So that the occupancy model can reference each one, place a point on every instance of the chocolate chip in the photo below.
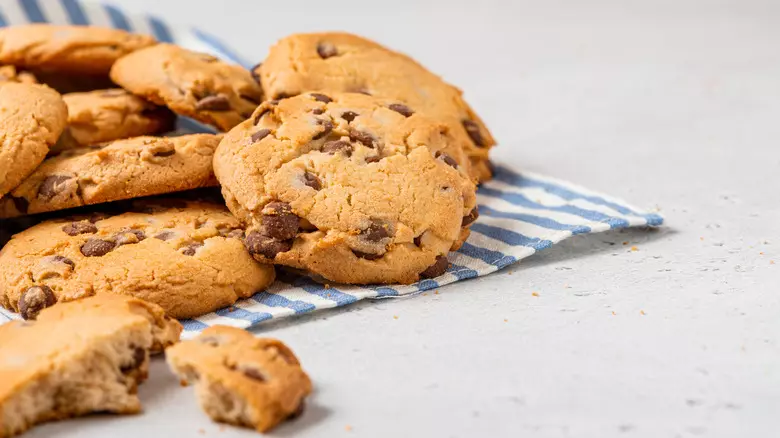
(97, 247)
(76, 228)
(253, 374)
(51, 186)
(437, 268)
(349, 116)
(250, 99)
(447, 159)
(35, 299)
(401, 109)
(326, 50)
(167, 153)
(255, 71)
(312, 181)
(190, 249)
(165, 235)
(259, 135)
(217, 102)
(129, 237)
(317, 111)
(21, 204)
(473, 130)
(373, 159)
(279, 222)
(257, 243)
(333, 147)
(470, 218)
(64, 260)
(139, 356)
(327, 126)
(375, 232)
(367, 256)
(235, 234)
(362, 137)
(319, 97)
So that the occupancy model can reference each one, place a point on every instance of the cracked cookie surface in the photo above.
(186, 256)
(71, 49)
(351, 187)
(32, 118)
(78, 358)
(123, 169)
(240, 379)
(106, 115)
(192, 84)
(344, 62)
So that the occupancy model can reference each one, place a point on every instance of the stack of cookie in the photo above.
(360, 166)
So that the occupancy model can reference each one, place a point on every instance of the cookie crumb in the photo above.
(613, 313)
(642, 312)
(348, 428)
(395, 316)
(536, 294)
(436, 292)
(201, 431)
(327, 286)
(506, 320)
(771, 262)
(625, 243)
(634, 248)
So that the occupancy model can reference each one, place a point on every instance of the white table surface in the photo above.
(674, 104)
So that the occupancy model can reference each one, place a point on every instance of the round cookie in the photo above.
(345, 62)
(9, 73)
(185, 256)
(192, 84)
(124, 169)
(107, 115)
(31, 119)
(351, 187)
(70, 49)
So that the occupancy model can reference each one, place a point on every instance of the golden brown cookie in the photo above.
(192, 84)
(31, 119)
(186, 256)
(345, 62)
(348, 186)
(78, 358)
(106, 115)
(70, 49)
(9, 73)
(124, 169)
(240, 379)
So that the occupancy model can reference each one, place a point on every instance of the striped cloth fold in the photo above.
(520, 212)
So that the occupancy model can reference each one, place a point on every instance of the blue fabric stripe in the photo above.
(321, 291)
(518, 199)
(488, 256)
(274, 300)
(33, 11)
(462, 272)
(427, 284)
(511, 237)
(3, 20)
(221, 47)
(239, 313)
(384, 291)
(512, 178)
(160, 30)
(118, 18)
(192, 325)
(76, 15)
(536, 220)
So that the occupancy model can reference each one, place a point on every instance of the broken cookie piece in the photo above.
(240, 379)
(79, 357)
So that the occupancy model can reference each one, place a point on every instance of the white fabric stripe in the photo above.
(503, 205)
(525, 228)
(97, 16)
(13, 12)
(214, 319)
(251, 305)
(54, 12)
(139, 24)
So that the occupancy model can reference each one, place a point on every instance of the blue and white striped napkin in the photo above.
(520, 212)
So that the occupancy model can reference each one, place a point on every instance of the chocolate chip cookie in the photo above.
(79, 358)
(351, 187)
(345, 62)
(106, 115)
(241, 379)
(31, 119)
(69, 49)
(123, 169)
(186, 256)
(192, 84)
